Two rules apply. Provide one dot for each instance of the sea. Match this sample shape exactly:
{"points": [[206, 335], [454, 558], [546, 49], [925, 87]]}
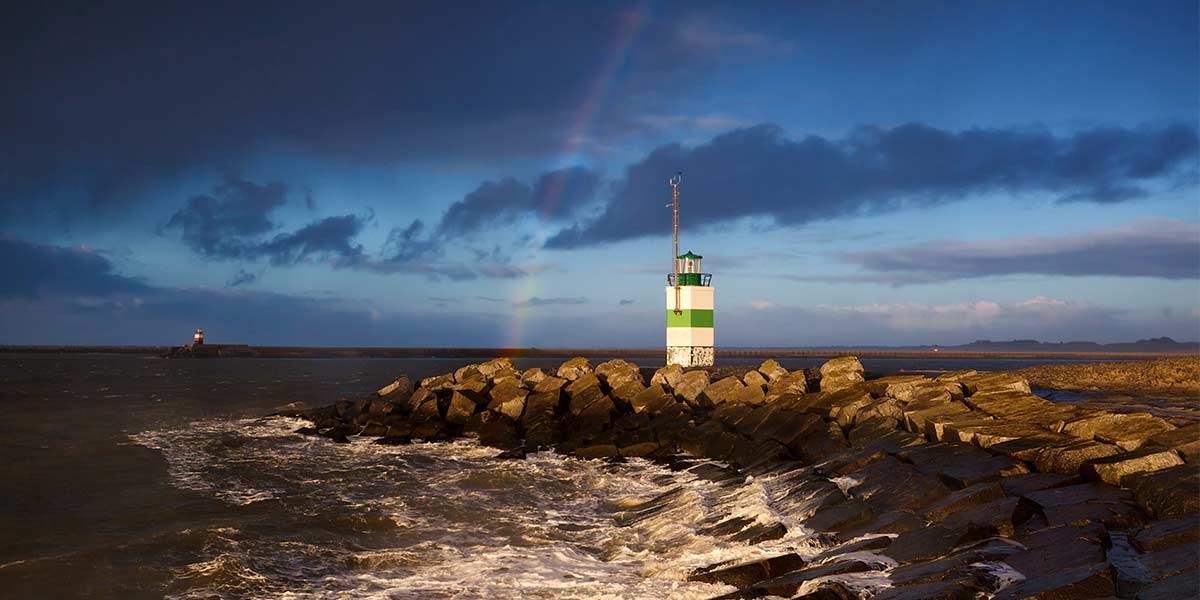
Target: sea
{"points": [[131, 476]]}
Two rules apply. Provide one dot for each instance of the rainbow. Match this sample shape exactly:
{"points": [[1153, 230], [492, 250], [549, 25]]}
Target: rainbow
{"points": [[597, 94]]}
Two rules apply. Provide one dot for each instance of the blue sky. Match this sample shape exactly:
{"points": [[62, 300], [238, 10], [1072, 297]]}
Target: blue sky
{"points": [[494, 174]]}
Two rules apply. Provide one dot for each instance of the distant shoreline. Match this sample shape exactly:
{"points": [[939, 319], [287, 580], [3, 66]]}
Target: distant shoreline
{"points": [[242, 351]]}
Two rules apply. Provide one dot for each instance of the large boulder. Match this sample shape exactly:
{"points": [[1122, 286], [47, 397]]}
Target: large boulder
{"points": [[617, 372], [550, 384], [1167, 493], [1128, 431], [467, 373], [1185, 441], [745, 574], [496, 368], [667, 376], [721, 391], [438, 382], [841, 373], [789, 383], [460, 409], [1069, 457], [574, 369], [690, 386], [398, 390], [532, 377], [755, 379], [1111, 469], [772, 370]]}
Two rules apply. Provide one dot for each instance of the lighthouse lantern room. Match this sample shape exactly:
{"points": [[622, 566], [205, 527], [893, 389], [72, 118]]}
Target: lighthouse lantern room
{"points": [[689, 302]]}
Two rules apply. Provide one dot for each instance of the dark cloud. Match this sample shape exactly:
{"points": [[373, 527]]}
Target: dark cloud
{"points": [[1161, 248], [536, 301], [232, 222], [113, 100], [241, 278], [625, 302], [34, 271], [554, 195], [760, 172]]}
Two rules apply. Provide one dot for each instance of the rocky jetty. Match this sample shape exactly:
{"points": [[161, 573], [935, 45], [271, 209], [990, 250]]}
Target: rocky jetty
{"points": [[960, 486]]}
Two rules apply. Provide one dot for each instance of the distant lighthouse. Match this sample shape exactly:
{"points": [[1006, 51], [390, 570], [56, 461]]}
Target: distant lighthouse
{"points": [[689, 301], [198, 337]]}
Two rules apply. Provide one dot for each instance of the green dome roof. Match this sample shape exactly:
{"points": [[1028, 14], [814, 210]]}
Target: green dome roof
{"points": [[690, 254]]}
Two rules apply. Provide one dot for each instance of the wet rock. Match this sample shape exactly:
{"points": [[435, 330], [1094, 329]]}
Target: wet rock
{"points": [[460, 410], [394, 440], [1001, 515], [819, 445], [601, 451], [933, 541], [1185, 441], [691, 386], [888, 485], [1027, 449], [1168, 533], [1062, 547], [745, 574], [380, 407], [787, 585], [963, 499], [1111, 469], [427, 410], [574, 369], [1068, 458], [959, 466], [844, 405], [639, 450], [935, 590], [587, 387], [721, 391], [1078, 583], [1167, 493], [1019, 485], [772, 370], [841, 373], [532, 377], [651, 400], [1087, 503], [1183, 585], [1127, 431]]}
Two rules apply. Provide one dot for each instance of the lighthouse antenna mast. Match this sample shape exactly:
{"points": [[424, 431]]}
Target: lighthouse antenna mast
{"points": [[674, 183]]}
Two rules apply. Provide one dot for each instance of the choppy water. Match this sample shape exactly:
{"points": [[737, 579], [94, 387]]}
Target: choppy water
{"points": [[135, 477]]}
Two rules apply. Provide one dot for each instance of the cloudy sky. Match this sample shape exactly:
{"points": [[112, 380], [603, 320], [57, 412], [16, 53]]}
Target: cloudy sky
{"points": [[495, 174]]}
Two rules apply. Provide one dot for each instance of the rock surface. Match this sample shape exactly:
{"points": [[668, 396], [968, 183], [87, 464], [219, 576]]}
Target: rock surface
{"points": [[962, 486]]}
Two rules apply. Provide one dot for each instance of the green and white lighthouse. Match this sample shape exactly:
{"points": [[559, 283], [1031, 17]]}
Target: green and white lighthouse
{"points": [[689, 302]]}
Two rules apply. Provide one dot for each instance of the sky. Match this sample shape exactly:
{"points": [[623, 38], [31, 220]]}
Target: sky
{"points": [[495, 174]]}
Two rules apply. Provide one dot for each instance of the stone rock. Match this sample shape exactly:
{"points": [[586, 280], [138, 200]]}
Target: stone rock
{"points": [[400, 389], [380, 407], [1111, 469], [889, 485], [960, 466], [600, 451], [653, 397], [1027, 449], [639, 450], [691, 386], [584, 383], [1000, 515], [1127, 431], [1023, 408], [887, 409], [1068, 458], [1183, 585], [532, 377], [1167, 493], [626, 392], [1019, 485], [460, 410], [574, 369], [935, 425], [1062, 547], [550, 384], [841, 373], [437, 382], [1168, 533], [748, 573], [934, 590], [475, 389], [985, 382], [794, 382], [1077, 583], [721, 391], [772, 370], [667, 376], [932, 542], [755, 379], [1087, 503], [492, 368], [467, 373], [427, 410], [1185, 441], [506, 390], [617, 372], [963, 499], [914, 420], [819, 445], [751, 394], [986, 435], [788, 585]]}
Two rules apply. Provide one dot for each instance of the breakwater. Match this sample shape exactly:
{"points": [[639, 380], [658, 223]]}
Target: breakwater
{"points": [[905, 486]]}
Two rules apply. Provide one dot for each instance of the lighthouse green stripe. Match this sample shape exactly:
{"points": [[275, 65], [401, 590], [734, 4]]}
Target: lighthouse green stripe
{"points": [[691, 317]]}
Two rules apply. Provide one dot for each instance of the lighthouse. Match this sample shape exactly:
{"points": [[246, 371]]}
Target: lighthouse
{"points": [[198, 337], [689, 301]]}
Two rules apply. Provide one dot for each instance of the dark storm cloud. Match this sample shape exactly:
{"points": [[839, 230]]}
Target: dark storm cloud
{"points": [[1161, 248], [232, 223], [241, 278], [760, 172], [33, 271], [111, 99], [553, 196]]}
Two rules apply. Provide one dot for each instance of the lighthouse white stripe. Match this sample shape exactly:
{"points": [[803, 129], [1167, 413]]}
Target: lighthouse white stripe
{"points": [[690, 336], [691, 297]]}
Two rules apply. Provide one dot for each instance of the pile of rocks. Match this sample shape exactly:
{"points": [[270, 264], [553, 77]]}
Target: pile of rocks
{"points": [[964, 484]]}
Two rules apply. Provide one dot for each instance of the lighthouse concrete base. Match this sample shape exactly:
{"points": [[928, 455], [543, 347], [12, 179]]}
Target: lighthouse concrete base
{"points": [[690, 356]]}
